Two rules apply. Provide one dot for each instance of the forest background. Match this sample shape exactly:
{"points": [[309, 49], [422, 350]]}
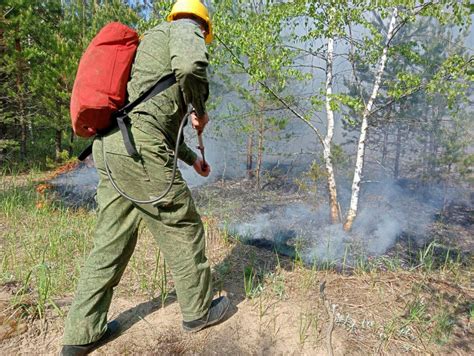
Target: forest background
{"points": [[341, 146], [384, 85]]}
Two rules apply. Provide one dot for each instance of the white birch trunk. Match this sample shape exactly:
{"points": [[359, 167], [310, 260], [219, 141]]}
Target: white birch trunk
{"points": [[363, 130], [333, 205]]}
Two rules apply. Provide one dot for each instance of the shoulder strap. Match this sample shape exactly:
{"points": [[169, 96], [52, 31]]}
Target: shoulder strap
{"points": [[163, 84]]}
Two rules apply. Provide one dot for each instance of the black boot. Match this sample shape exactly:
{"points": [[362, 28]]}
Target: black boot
{"points": [[79, 350], [216, 313]]}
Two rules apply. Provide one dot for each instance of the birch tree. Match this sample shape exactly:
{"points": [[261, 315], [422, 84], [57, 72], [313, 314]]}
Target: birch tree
{"points": [[331, 180], [355, 16], [301, 13], [408, 84], [354, 203]]}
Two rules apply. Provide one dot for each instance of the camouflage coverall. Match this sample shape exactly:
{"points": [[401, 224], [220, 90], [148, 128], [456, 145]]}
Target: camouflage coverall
{"points": [[176, 46]]}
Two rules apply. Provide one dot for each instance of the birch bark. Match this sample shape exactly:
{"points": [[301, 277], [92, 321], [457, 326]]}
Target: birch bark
{"points": [[352, 213], [333, 206], [260, 147]]}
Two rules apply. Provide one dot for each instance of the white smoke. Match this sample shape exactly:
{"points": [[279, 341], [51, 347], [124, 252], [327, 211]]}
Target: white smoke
{"points": [[387, 211]]}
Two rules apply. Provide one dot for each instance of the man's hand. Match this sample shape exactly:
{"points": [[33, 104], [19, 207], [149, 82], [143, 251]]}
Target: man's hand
{"points": [[202, 168], [199, 122]]}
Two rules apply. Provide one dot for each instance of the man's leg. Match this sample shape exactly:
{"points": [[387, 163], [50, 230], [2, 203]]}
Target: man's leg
{"points": [[179, 232], [114, 242], [176, 226]]}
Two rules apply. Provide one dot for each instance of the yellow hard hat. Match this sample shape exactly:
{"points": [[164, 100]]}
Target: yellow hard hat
{"points": [[192, 7]]}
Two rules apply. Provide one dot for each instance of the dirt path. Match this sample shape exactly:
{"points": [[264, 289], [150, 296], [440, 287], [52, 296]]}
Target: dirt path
{"points": [[149, 329], [264, 324]]}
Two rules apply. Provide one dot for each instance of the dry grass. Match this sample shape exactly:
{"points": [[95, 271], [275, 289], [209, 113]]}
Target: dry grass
{"points": [[280, 309]]}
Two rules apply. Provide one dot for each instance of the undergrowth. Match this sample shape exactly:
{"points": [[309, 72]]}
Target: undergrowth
{"points": [[43, 245]]}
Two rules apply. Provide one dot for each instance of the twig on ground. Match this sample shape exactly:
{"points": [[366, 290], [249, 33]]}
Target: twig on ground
{"points": [[331, 310]]}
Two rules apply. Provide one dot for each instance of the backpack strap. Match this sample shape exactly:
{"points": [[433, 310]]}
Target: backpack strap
{"points": [[121, 115], [161, 85]]}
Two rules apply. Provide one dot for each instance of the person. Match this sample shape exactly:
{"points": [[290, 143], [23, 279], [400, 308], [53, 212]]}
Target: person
{"points": [[177, 46]]}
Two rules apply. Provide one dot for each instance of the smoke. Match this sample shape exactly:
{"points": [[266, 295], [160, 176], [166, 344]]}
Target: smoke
{"points": [[77, 187], [388, 210], [220, 158]]}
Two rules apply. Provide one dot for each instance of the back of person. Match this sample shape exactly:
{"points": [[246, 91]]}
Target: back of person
{"points": [[176, 47], [169, 47]]}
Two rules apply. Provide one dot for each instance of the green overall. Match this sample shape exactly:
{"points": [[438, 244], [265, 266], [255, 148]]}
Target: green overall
{"points": [[174, 222]]}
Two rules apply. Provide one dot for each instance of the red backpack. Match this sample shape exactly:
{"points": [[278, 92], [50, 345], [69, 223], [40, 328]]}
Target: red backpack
{"points": [[100, 87], [101, 81]]}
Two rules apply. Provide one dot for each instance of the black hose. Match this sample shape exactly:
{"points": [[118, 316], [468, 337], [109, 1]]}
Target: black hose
{"points": [[167, 190]]}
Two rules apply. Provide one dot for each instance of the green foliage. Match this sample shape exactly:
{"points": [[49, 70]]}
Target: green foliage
{"points": [[252, 284], [339, 157], [44, 259], [351, 102], [423, 97], [260, 54], [8, 145], [310, 180], [405, 82], [443, 326], [41, 44], [281, 45], [449, 82]]}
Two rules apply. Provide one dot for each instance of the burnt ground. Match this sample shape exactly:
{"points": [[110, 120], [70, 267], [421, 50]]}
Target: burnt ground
{"points": [[443, 232], [417, 298], [427, 221]]}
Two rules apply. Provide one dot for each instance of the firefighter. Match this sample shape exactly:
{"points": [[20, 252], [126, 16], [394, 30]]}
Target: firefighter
{"points": [[178, 46]]}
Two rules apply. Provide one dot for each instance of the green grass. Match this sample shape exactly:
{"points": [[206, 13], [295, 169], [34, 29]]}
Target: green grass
{"points": [[304, 323], [443, 324], [252, 282], [416, 311], [42, 248]]}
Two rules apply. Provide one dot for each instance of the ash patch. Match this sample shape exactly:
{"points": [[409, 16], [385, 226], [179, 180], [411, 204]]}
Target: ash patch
{"points": [[283, 228], [300, 229], [458, 213]]}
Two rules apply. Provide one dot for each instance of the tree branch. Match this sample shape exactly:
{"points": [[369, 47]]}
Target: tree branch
{"points": [[272, 92], [352, 60], [307, 51], [414, 90]]}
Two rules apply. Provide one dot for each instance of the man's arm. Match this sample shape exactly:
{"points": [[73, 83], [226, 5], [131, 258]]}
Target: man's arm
{"points": [[186, 154], [189, 61]]}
